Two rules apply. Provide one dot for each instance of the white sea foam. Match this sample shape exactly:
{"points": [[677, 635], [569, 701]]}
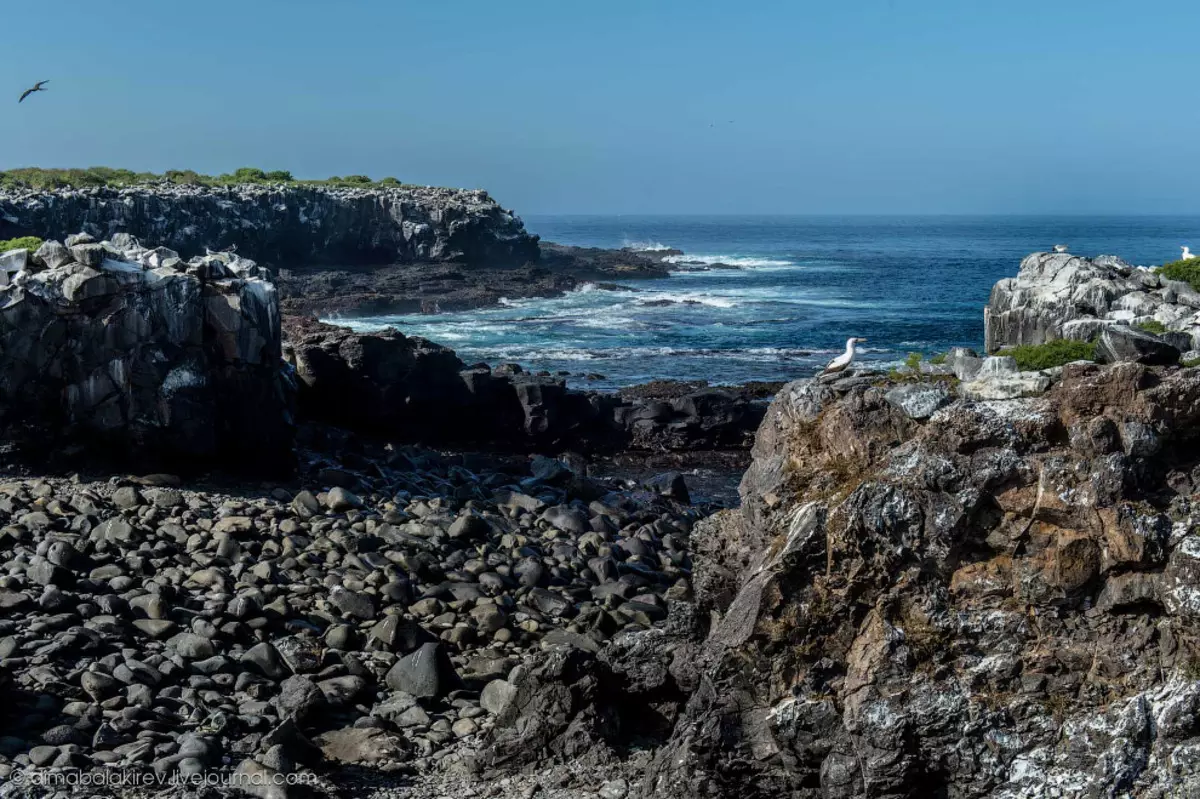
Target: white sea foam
{"points": [[697, 299], [645, 246], [535, 351], [730, 260]]}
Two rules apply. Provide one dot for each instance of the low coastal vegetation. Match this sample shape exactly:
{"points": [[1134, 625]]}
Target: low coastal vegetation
{"points": [[30, 243], [1033, 357], [37, 178], [911, 371], [1152, 326], [1187, 271]]}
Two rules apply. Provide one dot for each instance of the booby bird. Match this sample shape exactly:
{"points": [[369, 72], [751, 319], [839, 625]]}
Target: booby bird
{"points": [[1187, 254], [1060, 248], [843, 361], [37, 87]]}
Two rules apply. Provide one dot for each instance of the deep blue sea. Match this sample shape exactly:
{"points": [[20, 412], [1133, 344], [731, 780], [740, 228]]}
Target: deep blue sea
{"points": [[805, 284]]}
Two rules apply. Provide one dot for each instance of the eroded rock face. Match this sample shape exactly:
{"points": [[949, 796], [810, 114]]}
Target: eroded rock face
{"points": [[136, 355], [999, 601], [1058, 295], [284, 224], [411, 389]]}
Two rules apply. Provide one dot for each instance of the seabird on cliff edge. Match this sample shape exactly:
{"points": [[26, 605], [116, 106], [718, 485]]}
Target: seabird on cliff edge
{"points": [[37, 87], [843, 361], [1187, 254]]}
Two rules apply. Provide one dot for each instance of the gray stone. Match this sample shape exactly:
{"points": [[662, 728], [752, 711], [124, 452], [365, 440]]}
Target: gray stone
{"points": [[919, 400], [339, 500], [496, 696], [1119, 343], [425, 674], [192, 646]]}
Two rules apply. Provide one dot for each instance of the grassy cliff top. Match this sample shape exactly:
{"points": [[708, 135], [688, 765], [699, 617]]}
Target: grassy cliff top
{"points": [[36, 178]]}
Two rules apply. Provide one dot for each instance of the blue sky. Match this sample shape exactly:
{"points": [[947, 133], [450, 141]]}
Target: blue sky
{"points": [[634, 106]]}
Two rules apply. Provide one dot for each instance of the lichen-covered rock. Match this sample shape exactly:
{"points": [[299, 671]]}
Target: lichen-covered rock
{"points": [[137, 358], [282, 224], [998, 601], [1058, 295]]}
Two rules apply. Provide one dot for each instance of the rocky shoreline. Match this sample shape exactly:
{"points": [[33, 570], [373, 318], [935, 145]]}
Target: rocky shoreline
{"points": [[430, 288], [339, 250], [962, 579]]}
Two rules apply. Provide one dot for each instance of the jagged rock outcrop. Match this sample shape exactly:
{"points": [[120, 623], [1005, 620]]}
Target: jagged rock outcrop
{"points": [[411, 389], [998, 600], [284, 224], [134, 355], [1058, 295]]}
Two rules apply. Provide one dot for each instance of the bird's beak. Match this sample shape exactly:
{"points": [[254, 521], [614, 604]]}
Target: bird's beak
{"points": [[862, 341]]}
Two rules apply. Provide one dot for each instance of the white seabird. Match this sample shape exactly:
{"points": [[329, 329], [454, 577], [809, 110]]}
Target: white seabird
{"points": [[1187, 254], [841, 362], [1060, 248]]}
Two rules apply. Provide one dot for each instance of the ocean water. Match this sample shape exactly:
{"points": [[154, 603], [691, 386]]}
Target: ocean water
{"points": [[802, 286]]}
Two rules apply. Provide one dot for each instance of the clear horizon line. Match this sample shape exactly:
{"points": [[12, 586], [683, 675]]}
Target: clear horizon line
{"points": [[886, 214]]}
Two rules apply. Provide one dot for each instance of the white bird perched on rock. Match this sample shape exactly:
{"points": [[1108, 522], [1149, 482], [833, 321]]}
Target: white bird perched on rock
{"points": [[843, 361], [1187, 254], [1060, 248]]}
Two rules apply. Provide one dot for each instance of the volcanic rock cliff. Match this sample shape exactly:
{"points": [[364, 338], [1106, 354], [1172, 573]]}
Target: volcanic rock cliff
{"points": [[126, 354], [284, 224], [997, 600]]}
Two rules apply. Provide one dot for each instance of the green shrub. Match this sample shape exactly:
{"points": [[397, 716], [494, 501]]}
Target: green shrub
{"points": [[186, 176], [1031, 357], [939, 359], [30, 243], [1187, 271], [40, 179], [1152, 326], [249, 174], [1191, 362]]}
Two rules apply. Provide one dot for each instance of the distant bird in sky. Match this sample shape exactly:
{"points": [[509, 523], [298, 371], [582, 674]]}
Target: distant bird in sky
{"points": [[37, 87], [843, 361], [1187, 254]]}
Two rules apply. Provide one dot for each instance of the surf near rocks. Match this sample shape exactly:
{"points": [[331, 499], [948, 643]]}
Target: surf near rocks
{"points": [[393, 385]]}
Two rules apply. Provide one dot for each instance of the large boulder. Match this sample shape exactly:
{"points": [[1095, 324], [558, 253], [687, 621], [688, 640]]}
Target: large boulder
{"points": [[1118, 343], [382, 382], [146, 359]]}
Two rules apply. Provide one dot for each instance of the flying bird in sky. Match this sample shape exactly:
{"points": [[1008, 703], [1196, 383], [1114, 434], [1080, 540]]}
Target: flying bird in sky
{"points": [[37, 87]]}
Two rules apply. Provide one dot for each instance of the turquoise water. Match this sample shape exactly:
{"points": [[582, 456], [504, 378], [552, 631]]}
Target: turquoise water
{"points": [[804, 285]]}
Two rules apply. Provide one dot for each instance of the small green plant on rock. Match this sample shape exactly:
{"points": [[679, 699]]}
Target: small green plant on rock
{"points": [[1033, 357], [30, 243], [1152, 326]]}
